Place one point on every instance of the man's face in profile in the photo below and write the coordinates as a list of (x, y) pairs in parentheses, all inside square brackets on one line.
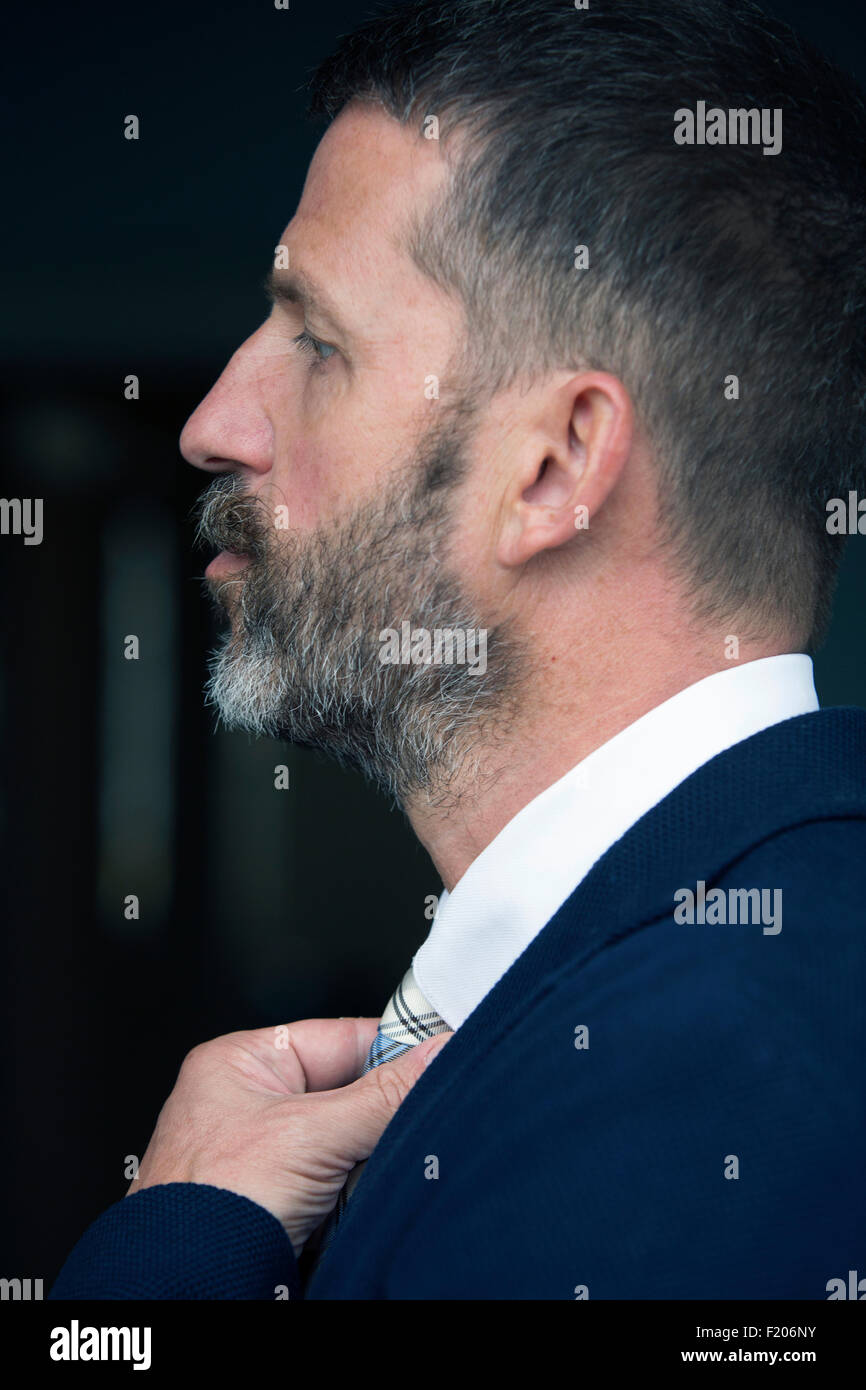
[(348, 504)]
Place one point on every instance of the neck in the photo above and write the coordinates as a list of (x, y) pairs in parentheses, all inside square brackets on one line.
[(567, 717)]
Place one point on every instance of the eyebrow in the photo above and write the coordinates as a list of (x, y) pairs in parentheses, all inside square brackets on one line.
[(297, 288)]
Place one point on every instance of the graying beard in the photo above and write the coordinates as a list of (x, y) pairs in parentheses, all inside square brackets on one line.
[(319, 682)]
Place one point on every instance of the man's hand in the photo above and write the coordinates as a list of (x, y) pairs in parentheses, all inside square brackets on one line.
[(283, 1125)]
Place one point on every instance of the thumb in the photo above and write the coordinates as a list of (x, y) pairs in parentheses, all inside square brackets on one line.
[(365, 1109)]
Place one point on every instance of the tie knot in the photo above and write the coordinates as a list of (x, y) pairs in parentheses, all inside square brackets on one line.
[(409, 1019)]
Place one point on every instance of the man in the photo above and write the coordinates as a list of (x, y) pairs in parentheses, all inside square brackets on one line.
[(522, 509)]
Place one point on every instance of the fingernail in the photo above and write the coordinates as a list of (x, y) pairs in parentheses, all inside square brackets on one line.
[(437, 1047)]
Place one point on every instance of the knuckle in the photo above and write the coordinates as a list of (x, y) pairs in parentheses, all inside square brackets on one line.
[(198, 1057), (390, 1085)]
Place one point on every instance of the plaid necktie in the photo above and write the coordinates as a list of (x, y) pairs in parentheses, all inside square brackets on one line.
[(409, 1019)]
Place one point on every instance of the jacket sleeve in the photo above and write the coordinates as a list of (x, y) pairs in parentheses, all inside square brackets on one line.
[(181, 1241)]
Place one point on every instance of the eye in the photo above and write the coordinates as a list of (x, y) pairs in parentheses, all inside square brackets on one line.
[(307, 343)]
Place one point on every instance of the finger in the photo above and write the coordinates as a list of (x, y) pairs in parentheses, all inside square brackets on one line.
[(316, 1054), (362, 1111)]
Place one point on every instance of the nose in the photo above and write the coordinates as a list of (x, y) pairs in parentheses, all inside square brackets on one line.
[(230, 430)]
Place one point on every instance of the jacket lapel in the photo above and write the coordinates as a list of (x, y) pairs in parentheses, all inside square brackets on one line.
[(811, 767)]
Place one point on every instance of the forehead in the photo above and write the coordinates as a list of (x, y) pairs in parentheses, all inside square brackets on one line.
[(368, 177)]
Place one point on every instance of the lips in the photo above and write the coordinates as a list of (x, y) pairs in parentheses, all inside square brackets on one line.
[(227, 563)]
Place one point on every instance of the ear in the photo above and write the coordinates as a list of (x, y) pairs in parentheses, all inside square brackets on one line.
[(573, 460)]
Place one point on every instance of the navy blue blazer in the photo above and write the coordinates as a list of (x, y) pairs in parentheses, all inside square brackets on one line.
[(644, 1107)]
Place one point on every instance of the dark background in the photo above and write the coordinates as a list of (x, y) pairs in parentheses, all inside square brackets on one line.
[(257, 906)]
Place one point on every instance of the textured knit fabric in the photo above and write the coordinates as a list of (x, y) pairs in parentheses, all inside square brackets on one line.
[(181, 1240), (639, 1108)]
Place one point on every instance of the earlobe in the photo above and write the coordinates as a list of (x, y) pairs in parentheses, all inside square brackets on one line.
[(542, 518)]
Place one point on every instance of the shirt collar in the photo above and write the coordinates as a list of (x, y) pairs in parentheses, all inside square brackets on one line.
[(513, 888)]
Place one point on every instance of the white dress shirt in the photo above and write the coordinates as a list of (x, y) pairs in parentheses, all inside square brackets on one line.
[(513, 888)]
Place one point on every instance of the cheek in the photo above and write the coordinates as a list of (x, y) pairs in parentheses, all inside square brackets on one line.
[(472, 545), (311, 480)]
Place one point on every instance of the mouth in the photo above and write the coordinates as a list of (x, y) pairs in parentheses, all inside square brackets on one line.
[(227, 563)]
